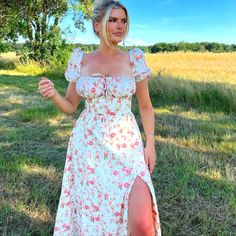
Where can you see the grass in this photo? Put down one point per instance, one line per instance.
(195, 173)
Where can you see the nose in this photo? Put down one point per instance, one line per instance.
(120, 24)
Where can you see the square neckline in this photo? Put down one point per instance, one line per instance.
(100, 75)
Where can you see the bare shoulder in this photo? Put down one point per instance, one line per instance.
(125, 55)
(88, 57)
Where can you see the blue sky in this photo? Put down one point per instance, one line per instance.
(172, 21)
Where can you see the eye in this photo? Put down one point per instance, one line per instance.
(124, 21)
(112, 20)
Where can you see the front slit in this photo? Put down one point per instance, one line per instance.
(156, 223)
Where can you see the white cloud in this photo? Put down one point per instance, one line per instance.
(136, 42)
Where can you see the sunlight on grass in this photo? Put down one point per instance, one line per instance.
(62, 133)
(227, 147)
(11, 113)
(40, 214)
(15, 100)
(32, 68)
(161, 111)
(50, 173)
(211, 174)
(57, 119)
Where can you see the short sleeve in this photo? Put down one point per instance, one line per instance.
(72, 72)
(140, 69)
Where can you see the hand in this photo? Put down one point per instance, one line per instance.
(150, 157)
(46, 87)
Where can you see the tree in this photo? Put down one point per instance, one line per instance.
(37, 21)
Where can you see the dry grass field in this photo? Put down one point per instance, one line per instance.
(205, 67)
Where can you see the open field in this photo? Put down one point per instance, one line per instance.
(194, 98)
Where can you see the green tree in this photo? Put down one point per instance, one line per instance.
(37, 21)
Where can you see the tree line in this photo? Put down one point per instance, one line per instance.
(156, 48)
(37, 22)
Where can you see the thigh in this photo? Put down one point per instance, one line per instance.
(140, 205)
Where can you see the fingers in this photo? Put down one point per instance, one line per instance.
(150, 161)
(46, 87)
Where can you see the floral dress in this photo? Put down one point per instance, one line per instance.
(105, 154)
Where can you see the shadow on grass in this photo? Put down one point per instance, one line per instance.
(15, 222)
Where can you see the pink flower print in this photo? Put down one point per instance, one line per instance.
(89, 131)
(92, 218)
(131, 64)
(136, 143)
(115, 172)
(97, 218)
(127, 172)
(105, 154)
(75, 66)
(67, 192)
(67, 203)
(126, 185)
(55, 228)
(120, 186)
(106, 196)
(80, 170)
(96, 208)
(92, 170)
(117, 214)
(93, 90)
(124, 145)
(110, 112)
(122, 206)
(75, 211)
(66, 227)
(92, 181)
(69, 157)
(86, 207)
(132, 145)
(112, 135)
(97, 155)
(131, 132)
(142, 173)
(90, 143)
(72, 179)
(121, 131)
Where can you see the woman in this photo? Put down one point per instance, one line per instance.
(107, 188)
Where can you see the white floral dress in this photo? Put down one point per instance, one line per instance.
(105, 154)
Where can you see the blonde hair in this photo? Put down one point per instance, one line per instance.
(101, 13)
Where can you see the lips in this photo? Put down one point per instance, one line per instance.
(118, 34)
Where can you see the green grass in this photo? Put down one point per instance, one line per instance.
(195, 172)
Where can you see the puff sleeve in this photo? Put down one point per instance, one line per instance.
(140, 69)
(72, 72)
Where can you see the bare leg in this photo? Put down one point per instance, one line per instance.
(140, 218)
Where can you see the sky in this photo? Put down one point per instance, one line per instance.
(171, 21)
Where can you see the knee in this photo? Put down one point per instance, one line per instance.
(143, 227)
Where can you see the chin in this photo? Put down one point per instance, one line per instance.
(117, 41)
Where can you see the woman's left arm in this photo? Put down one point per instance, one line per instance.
(148, 121)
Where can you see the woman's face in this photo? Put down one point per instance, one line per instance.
(117, 25)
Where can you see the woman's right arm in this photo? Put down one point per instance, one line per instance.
(67, 104)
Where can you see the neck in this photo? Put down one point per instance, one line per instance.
(105, 50)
